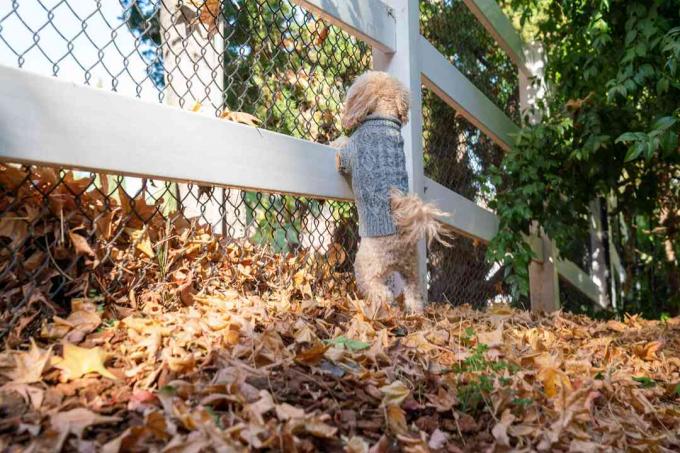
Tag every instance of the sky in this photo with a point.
(77, 40)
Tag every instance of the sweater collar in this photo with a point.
(385, 120)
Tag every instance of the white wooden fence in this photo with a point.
(49, 121)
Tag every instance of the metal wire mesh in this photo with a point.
(574, 301)
(268, 58)
(457, 154)
(456, 33)
(67, 234)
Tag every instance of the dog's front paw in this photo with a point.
(339, 142)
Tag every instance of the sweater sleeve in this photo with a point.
(344, 160)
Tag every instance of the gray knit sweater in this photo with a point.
(374, 157)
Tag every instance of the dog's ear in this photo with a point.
(402, 104)
(361, 100)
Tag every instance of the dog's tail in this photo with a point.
(416, 219)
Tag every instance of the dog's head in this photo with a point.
(375, 92)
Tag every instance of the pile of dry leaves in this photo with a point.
(231, 373)
(175, 342)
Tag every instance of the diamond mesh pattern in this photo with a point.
(65, 234)
(457, 154)
(268, 58)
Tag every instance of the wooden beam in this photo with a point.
(50, 121)
(492, 17)
(579, 279)
(369, 20)
(464, 216)
(455, 89)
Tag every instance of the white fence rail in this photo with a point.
(46, 120)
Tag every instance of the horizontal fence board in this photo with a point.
(465, 216)
(492, 17)
(455, 89)
(578, 279)
(46, 120)
(369, 20)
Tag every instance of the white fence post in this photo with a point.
(598, 261)
(544, 285)
(193, 58)
(404, 64)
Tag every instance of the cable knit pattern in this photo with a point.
(374, 157)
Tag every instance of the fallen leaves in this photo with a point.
(75, 422)
(28, 366)
(78, 362)
(224, 346)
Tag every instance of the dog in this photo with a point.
(391, 222)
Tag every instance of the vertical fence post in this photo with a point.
(193, 59)
(544, 289)
(598, 257)
(404, 64)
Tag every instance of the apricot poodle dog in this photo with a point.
(391, 221)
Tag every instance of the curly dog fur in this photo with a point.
(379, 93)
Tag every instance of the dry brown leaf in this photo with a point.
(438, 439)
(285, 412)
(75, 422)
(500, 431)
(395, 393)
(29, 366)
(80, 244)
(396, 420)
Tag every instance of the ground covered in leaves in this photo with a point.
(231, 373)
(185, 343)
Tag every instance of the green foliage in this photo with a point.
(645, 381)
(611, 132)
(348, 343)
(479, 377)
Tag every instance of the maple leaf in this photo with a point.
(29, 393)
(29, 366)
(77, 362)
(75, 422)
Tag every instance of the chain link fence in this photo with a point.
(66, 234)
(267, 58)
(456, 154)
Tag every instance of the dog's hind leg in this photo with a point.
(371, 268)
(413, 292)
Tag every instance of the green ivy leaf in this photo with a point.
(634, 151)
(664, 123)
(348, 343)
(645, 381)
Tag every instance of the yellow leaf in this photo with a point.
(141, 241)
(78, 361)
(299, 278)
(554, 382)
(197, 107)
